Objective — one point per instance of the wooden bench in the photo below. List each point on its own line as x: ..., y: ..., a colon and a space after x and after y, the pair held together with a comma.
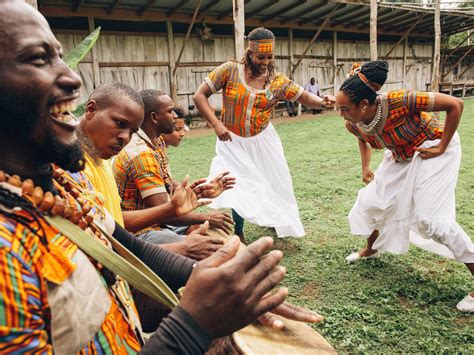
x: 462, y: 88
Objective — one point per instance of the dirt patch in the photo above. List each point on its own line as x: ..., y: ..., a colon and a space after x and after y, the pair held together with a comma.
x: 404, y: 302
x: 202, y: 132
x: 464, y: 320
x: 310, y: 290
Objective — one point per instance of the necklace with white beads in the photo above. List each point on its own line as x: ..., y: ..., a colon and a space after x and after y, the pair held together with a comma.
x: 370, y: 128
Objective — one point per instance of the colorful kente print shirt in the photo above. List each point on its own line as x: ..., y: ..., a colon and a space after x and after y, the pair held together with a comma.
x: 36, y: 265
x: 404, y: 124
x: 139, y: 171
x: 246, y: 111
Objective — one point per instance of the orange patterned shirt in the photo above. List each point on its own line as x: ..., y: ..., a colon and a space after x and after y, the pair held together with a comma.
x: 404, y: 124
x: 246, y: 111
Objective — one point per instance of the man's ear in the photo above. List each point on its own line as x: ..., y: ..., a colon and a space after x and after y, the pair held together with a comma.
x: 154, y: 117
x: 91, y: 109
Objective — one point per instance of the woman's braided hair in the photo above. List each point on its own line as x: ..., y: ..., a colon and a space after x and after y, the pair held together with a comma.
x: 357, y: 90
x: 254, y: 35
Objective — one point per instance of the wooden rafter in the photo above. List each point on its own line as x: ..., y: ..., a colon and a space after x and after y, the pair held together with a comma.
x: 406, y: 17
x: 209, y: 6
x: 76, y: 5
x: 305, y: 11
x: 342, y: 14
x: 405, y: 35
x: 459, y: 61
x: 354, y: 15
x: 291, y: 6
x: 227, y: 12
x: 259, y: 9
x: 145, y: 7
x: 112, y: 7
x: 455, y: 49
x: 402, y: 25
x: 353, y: 21
x: 315, y: 37
x: 172, y: 11
x: 321, y: 15
x: 458, y: 29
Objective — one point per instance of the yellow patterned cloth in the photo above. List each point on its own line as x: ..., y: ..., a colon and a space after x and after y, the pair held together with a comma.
x: 246, y: 111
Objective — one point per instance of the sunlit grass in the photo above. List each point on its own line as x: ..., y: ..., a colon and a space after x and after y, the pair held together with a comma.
x: 401, y: 304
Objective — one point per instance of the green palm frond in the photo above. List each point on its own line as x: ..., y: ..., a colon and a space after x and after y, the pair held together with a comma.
x: 73, y: 58
x: 127, y: 265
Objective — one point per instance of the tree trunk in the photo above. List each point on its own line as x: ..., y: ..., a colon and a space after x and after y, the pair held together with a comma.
x: 239, y: 27
x: 437, y: 47
x: 373, y: 30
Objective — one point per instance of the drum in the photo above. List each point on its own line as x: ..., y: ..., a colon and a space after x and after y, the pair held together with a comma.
x: 255, y: 339
x: 295, y: 338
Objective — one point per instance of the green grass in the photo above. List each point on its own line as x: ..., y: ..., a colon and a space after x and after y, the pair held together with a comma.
x: 401, y: 304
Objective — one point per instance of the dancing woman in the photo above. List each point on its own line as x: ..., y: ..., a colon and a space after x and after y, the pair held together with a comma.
x: 248, y: 145
x: 411, y: 195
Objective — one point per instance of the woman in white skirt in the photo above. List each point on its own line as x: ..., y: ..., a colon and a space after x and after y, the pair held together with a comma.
x: 248, y: 145
x: 411, y: 195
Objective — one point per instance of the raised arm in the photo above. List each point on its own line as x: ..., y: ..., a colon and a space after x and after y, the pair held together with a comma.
x: 313, y: 101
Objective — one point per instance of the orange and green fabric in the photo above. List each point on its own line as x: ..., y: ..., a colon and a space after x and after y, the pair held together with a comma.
x: 407, y: 125
x: 28, y: 263
x: 139, y: 173
x: 246, y: 111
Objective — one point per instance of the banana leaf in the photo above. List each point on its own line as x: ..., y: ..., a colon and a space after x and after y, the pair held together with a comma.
x: 73, y: 58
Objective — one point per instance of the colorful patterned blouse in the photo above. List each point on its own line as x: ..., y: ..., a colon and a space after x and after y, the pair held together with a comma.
x: 404, y: 124
x: 28, y: 269
x: 246, y: 111
x: 139, y: 171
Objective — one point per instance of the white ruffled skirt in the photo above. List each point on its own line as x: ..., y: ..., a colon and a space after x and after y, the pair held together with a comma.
x: 414, y: 202
x: 263, y: 193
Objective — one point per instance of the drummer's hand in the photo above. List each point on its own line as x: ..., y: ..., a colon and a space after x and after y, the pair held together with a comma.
x: 222, y: 132
x: 289, y: 311
x: 225, y: 292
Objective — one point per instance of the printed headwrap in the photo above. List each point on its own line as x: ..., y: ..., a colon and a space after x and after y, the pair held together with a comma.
x: 262, y: 45
x: 372, y: 85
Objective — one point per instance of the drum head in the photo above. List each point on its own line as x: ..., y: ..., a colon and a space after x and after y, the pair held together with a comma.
x: 295, y: 338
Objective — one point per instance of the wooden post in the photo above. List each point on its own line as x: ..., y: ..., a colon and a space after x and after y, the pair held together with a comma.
x: 334, y: 62
x: 437, y: 47
x: 239, y: 27
x: 290, y: 52
x: 188, y: 33
x: 373, y: 30
x: 405, y: 50
x: 95, y: 59
x: 172, y: 66
x: 33, y: 3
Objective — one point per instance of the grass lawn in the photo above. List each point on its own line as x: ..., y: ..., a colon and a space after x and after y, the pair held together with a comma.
x: 400, y: 304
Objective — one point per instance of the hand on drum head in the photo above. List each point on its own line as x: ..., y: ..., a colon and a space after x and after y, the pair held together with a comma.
x: 289, y: 311
x: 228, y: 291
